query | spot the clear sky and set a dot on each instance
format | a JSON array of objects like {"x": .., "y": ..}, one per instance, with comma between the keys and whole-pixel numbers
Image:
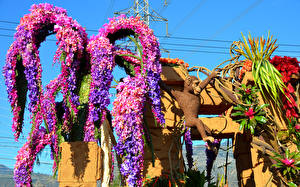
[{"x": 200, "y": 34}]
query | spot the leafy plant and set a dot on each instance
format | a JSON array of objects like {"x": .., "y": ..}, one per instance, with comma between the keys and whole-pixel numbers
[
  {"x": 250, "y": 114},
  {"x": 288, "y": 165},
  {"x": 294, "y": 129},
  {"x": 161, "y": 181},
  {"x": 265, "y": 75},
  {"x": 195, "y": 178}
]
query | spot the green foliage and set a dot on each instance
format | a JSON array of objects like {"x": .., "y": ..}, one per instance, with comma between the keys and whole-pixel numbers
[
  {"x": 195, "y": 178},
  {"x": 266, "y": 76},
  {"x": 21, "y": 85},
  {"x": 161, "y": 181},
  {"x": 292, "y": 123},
  {"x": 288, "y": 165},
  {"x": 250, "y": 114},
  {"x": 63, "y": 56},
  {"x": 221, "y": 181},
  {"x": 85, "y": 89}
]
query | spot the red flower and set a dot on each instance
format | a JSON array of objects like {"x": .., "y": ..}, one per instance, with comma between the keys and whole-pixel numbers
[
  {"x": 250, "y": 113},
  {"x": 290, "y": 88},
  {"x": 248, "y": 91},
  {"x": 287, "y": 66}
]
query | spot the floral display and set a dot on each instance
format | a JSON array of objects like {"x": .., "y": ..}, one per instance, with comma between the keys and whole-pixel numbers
[
  {"x": 249, "y": 114},
  {"x": 265, "y": 75},
  {"x": 43, "y": 20},
  {"x": 288, "y": 164},
  {"x": 173, "y": 62},
  {"x": 247, "y": 66},
  {"x": 287, "y": 66},
  {"x": 27, "y": 154},
  {"x": 128, "y": 124},
  {"x": 133, "y": 91},
  {"x": 22, "y": 72},
  {"x": 85, "y": 81}
]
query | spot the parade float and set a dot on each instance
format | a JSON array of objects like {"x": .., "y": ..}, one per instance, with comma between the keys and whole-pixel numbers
[{"x": 255, "y": 95}]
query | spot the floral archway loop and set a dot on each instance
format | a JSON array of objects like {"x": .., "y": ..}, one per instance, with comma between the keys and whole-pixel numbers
[
  {"x": 23, "y": 73},
  {"x": 23, "y": 59}
]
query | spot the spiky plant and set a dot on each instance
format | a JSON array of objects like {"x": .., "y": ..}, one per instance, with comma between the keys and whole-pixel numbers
[{"x": 266, "y": 76}]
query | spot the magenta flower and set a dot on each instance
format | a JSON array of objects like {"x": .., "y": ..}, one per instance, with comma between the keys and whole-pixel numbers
[
  {"x": 297, "y": 127},
  {"x": 250, "y": 113},
  {"x": 288, "y": 162}
]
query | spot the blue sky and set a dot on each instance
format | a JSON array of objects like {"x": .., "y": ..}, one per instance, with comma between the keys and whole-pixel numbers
[{"x": 209, "y": 25}]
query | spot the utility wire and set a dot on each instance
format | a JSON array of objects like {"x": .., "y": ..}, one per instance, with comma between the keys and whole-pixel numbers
[
  {"x": 160, "y": 36},
  {"x": 214, "y": 47},
  {"x": 108, "y": 10},
  {"x": 238, "y": 17},
  {"x": 190, "y": 14},
  {"x": 47, "y": 163},
  {"x": 191, "y": 45}
]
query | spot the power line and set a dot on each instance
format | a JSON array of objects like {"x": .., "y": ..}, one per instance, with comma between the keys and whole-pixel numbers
[
  {"x": 11, "y": 138},
  {"x": 215, "y": 47},
  {"x": 170, "y": 37},
  {"x": 193, "y": 45},
  {"x": 202, "y": 51},
  {"x": 235, "y": 19},
  {"x": 190, "y": 14},
  {"x": 13, "y": 159},
  {"x": 110, "y": 7},
  {"x": 10, "y": 22}
]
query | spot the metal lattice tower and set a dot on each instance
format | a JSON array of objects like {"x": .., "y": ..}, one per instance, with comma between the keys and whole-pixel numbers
[{"x": 142, "y": 9}]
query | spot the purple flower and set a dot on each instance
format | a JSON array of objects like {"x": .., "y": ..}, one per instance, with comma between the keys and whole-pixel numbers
[
  {"x": 211, "y": 155},
  {"x": 189, "y": 147}
]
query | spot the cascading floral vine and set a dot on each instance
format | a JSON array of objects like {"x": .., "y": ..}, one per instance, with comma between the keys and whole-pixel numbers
[
  {"x": 27, "y": 154},
  {"x": 22, "y": 72},
  {"x": 128, "y": 124}
]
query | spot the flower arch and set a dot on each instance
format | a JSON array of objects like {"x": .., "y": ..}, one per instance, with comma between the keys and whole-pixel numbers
[
  {"x": 22, "y": 73},
  {"x": 23, "y": 54},
  {"x": 132, "y": 92},
  {"x": 23, "y": 69}
]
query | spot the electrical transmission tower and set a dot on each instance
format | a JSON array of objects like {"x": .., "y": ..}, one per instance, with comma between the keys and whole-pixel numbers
[{"x": 142, "y": 9}]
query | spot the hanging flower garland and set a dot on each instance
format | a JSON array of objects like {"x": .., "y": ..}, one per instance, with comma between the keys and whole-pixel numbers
[
  {"x": 49, "y": 113},
  {"x": 43, "y": 20},
  {"x": 128, "y": 111},
  {"x": 102, "y": 64}
]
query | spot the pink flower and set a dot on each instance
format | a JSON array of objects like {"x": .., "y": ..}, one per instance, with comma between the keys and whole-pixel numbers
[
  {"x": 250, "y": 113},
  {"x": 297, "y": 127},
  {"x": 288, "y": 162}
]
